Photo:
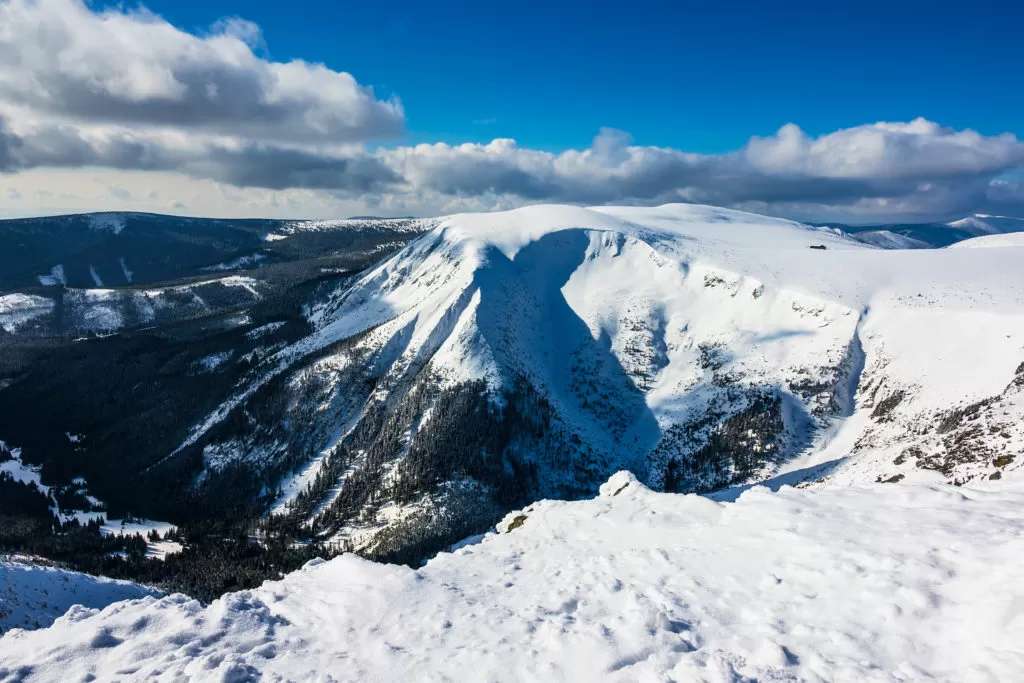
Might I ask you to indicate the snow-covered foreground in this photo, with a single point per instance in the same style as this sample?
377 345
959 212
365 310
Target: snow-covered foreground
877 583
32 596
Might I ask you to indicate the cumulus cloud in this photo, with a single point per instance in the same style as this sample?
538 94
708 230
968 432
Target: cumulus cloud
941 167
240 163
132 67
920 150
123 90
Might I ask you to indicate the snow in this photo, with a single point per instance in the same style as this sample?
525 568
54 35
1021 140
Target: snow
874 583
987 224
886 239
107 222
157 550
395 224
56 277
17 310
19 471
264 330
610 310
33 595
1013 239
613 314
115 527
237 263
246 283
101 311
32 474
124 269
105 311
161 549
214 361
956 354
95 277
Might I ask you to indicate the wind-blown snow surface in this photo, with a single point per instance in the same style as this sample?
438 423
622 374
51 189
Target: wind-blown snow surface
1012 239
886 239
878 583
33 596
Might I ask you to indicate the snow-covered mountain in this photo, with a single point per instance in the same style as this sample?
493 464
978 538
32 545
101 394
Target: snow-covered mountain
1012 239
874 583
505 357
500 359
888 239
985 224
98 250
932 235
77 312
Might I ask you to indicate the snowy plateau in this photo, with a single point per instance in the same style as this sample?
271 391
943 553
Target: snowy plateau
852 418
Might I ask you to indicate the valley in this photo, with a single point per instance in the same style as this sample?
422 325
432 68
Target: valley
393 406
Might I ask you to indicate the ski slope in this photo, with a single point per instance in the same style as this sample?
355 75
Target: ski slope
877 583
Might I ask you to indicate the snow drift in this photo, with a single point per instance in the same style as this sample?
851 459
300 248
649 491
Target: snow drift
877 583
503 358
34 595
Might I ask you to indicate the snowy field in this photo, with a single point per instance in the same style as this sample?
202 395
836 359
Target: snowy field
876 583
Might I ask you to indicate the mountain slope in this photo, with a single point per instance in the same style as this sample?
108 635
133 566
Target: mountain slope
505 357
879 583
96 384
932 235
100 250
33 595
985 224
887 239
1013 239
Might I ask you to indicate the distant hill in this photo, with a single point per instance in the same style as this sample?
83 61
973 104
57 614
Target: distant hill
930 235
116 249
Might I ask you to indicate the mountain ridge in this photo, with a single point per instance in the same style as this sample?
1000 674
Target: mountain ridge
496 359
514 301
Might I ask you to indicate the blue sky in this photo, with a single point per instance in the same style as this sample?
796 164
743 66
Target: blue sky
702 76
865 112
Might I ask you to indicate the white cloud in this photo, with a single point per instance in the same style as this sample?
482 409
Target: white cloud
124 94
64 60
886 168
885 151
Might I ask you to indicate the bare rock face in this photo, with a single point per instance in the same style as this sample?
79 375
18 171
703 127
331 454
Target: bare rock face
974 439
